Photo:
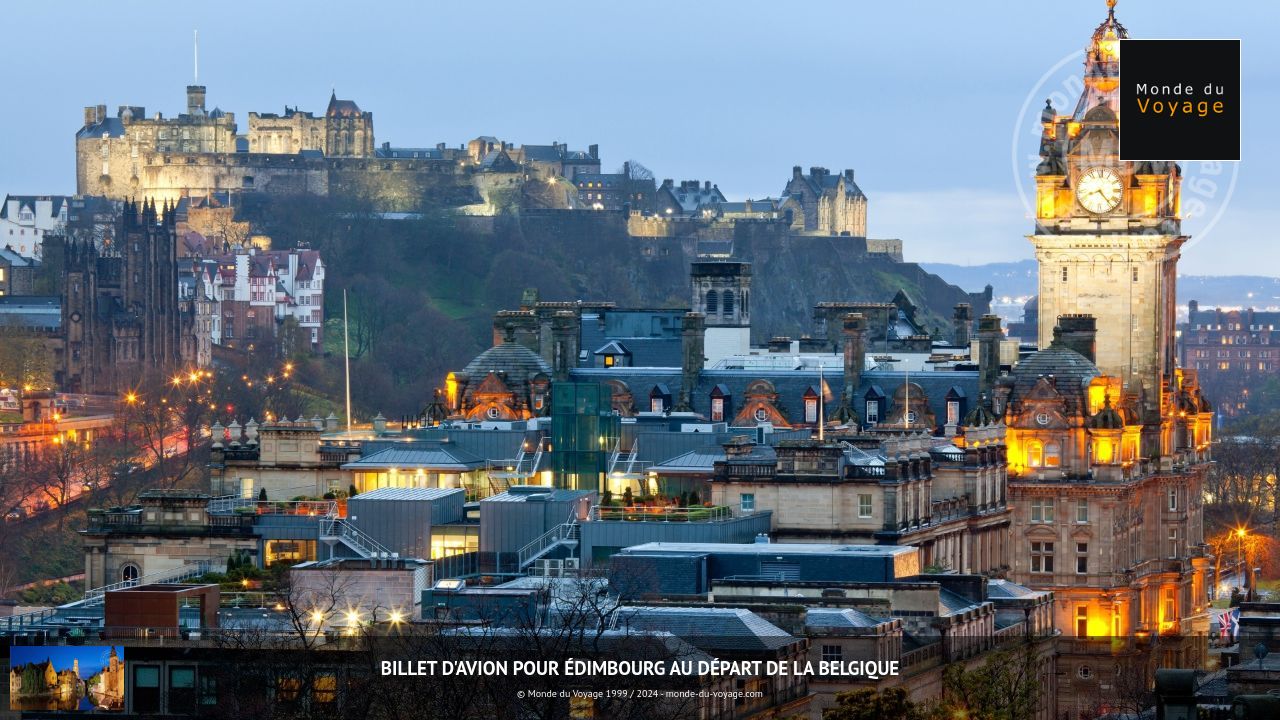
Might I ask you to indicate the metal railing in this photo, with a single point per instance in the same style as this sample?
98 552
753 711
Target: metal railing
563 532
332 526
95 596
662 513
186 572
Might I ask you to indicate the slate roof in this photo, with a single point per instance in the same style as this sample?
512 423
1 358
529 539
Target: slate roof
514 363
839 618
789 384
1071 372
112 126
953 603
341 108
709 629
541 153
29 201
1214 316
395 152
1003 589
13 259
426 455
31 311
702 460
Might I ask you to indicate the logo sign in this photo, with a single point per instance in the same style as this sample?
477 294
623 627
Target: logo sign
1179 100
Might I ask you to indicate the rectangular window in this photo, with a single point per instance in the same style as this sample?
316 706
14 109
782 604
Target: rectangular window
1173 498
953 412
655 404
1170 605
832 653
1082 558
864 505
1174 549
811 410
1041 557
146 688
1042 511
873 412
1064 274
1082 621
1135 274
717 409
748 502
182 689
1082 511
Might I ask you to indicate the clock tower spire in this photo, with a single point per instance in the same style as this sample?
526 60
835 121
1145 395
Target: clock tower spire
1108 233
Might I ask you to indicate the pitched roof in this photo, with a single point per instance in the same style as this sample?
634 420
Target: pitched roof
839 617
341 108
425 455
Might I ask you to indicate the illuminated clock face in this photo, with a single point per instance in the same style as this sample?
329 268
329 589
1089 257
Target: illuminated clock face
1099 190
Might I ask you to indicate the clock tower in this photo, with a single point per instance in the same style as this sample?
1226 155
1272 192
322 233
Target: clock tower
1107 232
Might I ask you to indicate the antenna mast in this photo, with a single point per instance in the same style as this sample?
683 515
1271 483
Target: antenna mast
346 356
196 55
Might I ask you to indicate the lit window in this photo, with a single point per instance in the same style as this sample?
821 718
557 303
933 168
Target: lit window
1082 621
1035 454
1052 455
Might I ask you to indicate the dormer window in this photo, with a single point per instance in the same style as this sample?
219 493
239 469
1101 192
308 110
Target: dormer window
873 412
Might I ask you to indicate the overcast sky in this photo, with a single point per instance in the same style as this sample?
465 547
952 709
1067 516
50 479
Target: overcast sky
920 98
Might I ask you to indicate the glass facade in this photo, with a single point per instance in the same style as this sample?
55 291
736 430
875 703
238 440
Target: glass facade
584 434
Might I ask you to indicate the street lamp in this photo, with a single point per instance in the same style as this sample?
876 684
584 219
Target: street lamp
1240 556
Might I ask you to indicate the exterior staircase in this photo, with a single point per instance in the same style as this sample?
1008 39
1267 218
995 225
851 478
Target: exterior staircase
334 530
565 535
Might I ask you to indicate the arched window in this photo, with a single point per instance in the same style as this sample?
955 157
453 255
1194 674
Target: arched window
129 572
728 302
712 301
1035 454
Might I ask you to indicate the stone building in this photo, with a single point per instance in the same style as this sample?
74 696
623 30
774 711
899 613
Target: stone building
1231 351
164 532
121 315
825 204
1108 440
112 152
25 220
17 273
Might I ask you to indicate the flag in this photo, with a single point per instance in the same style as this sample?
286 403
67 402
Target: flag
1228 623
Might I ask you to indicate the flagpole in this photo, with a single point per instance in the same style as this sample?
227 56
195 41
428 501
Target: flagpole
346 355
822 389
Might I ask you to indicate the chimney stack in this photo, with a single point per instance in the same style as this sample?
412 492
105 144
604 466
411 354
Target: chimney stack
1079 333
989 336
564 338
960 322
854 330
693 357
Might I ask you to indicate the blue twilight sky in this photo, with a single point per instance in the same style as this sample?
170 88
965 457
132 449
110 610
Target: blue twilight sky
92 657
920 98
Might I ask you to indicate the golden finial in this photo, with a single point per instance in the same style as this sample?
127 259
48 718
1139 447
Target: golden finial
1111 4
